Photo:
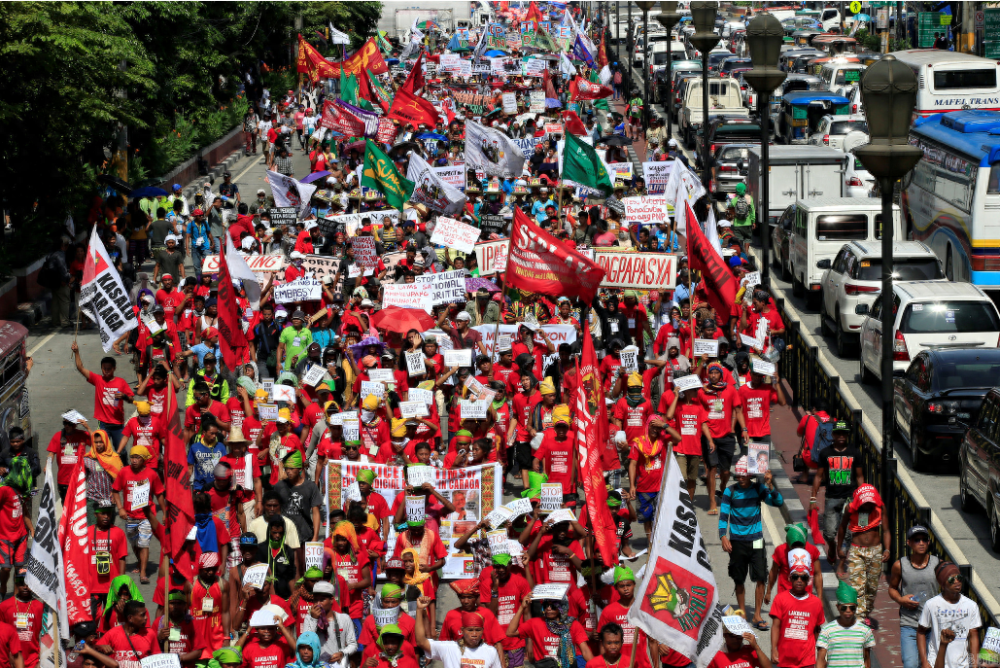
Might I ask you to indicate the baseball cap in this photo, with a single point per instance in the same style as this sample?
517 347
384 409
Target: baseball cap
463 315
841 425
917 530
323 587
298 315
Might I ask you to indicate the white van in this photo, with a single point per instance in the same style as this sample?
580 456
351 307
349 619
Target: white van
821 227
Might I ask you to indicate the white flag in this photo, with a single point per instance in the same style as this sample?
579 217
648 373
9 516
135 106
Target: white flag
682 186
492 151
44 565
712 231
605 75
103 298
289 192
431 190
566 66
677 601
337 37
238 268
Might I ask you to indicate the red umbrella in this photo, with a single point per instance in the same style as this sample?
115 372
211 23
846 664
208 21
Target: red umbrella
401 320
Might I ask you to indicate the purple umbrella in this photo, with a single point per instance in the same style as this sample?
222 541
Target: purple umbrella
473 284
315 176
359 348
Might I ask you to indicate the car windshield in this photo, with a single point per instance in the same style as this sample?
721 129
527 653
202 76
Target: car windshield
911 269
950 316
716 58
843 127
965 373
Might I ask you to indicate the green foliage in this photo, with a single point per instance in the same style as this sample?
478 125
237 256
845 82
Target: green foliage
868 41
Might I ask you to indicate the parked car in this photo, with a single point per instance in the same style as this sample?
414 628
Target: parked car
938 397
731 162
852 93
781 236
831 130
857 179
855 277
929 314
979 464
659 83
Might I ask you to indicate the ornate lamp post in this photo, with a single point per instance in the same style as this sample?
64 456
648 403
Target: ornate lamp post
704 39
645 6
764 37
889 94
668 18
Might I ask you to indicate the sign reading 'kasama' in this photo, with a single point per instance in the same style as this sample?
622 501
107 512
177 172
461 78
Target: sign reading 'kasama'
645 271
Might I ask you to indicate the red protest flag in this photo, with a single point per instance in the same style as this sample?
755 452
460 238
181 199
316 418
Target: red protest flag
311 62
573 124
76 547
413 110
538 262
533 14
581 89
718 280
550 89
232 339
415 81
179 514
367 57
592 438
602 52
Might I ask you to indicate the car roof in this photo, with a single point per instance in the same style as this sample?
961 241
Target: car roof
849 203
961 354
899 249
934 290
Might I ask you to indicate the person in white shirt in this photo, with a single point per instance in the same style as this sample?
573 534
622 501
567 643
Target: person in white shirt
262 127
337 638
952 611
470 649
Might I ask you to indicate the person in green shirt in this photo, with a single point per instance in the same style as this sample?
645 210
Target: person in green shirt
635 106
294 341
745 213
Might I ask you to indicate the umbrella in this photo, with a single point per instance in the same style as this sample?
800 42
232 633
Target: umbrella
148 191
863 17
401 320
495 53
473 284
614 140
314 177
400 150
430 135
392 61
359 349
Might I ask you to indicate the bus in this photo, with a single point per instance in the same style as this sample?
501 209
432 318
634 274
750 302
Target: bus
951 81
952 200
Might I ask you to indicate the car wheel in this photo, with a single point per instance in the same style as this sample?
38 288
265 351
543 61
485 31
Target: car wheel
917 458
775 258
824 327
991 515
867 377
845 343
966 500
786 275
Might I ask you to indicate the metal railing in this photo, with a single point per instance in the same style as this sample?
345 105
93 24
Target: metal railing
814 383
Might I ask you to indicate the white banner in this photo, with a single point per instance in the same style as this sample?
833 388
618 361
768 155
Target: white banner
299 290
537 101
46 576
455 234
103 297
558 334
453 175
431 190
289 192
257 263
645 271
407 295
463 487
492 151
656 175
447 287
451 62
683 186
527 145
645 209
492 256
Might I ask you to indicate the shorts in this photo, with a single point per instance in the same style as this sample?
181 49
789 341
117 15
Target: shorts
12 553
833 514
523 455
710 457
138 532
725 452
515 657
647 505
745 558
689 467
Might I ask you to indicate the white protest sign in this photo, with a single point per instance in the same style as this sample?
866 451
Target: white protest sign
630 358
991 642
551 497
621 171
283 393
737 625
416 507
551 590
458 358
446 287
708 347
497 541
499 516
751 279
383 617
314 554
751 341
372 387
415 394
684 383
381 375
255 575
758 458
656 175
492 256
474 410
561 515
299 290
140 496
518 507
364 251
763 368
74 416
455 234
509 103
453 175
161 661
645 209
407 295
268 412
354 492
415 363
416 476
314 375
412 409
537 102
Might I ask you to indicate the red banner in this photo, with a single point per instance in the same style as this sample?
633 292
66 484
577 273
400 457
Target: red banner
339 119
415 82
538 262
717 279
574 125
76 547
367 57
232 340
581 89
179 513
413 109
311 62
592 438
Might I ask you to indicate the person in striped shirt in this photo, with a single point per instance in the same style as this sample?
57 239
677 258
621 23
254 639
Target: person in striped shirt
742 534
845 642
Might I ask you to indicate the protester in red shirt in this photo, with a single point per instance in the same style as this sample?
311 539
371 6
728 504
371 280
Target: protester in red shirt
176 631
758 397
797 617
14 526
169 297
794 552
24 612
692 421
615 653
68 445
557 453
632 410
545 643
271 646
107 546
468 598
503 596
647 461
723 403
11 655
110 393
524 405
132 480
555 556
737 655
132 640
617 611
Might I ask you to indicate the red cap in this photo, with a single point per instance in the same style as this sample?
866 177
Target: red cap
197 212
209 332
471 619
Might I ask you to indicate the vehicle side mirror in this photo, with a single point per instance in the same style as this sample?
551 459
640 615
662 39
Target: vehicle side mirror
861 309
824 264
898 373
741 165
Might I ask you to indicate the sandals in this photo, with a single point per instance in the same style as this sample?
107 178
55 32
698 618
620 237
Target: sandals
759 625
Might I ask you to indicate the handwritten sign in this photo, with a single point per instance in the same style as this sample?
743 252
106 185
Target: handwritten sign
255 575
283 393
412 409
708 347
415 365
458 358
446 287
630 359
299 290
74 416
518 507
763 368
268 412
407 295
684 383
561 515
737 625
455 234
474 410
140 496
551 497
509 101
550 590
492 256
314 554
416 476
354 492
364 251
313 375
498 517
426 397
381 375
751 279
372 387
416 507
161 661
645 209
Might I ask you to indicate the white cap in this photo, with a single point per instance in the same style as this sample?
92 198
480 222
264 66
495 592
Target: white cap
296 255
672 142
311 224
247 243
366 303
263 618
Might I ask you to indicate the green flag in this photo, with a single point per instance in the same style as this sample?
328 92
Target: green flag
348 87
581 164
380 91
381 174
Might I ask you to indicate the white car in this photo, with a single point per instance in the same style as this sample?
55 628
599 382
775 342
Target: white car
929 314
858 181
855 277
853 93
832 130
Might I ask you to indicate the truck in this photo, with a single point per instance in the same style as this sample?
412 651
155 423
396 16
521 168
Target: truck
397 20
725 98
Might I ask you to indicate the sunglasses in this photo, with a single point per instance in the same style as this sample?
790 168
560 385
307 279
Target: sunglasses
921 539
351 447
952 579
848 608
798 576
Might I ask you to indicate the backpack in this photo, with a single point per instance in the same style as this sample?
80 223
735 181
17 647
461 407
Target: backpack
742 208
822 439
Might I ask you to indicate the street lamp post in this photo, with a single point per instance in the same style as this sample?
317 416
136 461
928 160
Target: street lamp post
764 37
889 94
645 6
704 39
668 18
629 48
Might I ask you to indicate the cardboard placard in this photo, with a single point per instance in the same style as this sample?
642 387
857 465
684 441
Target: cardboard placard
758 458
751 279
691 382
313 375
416 507
381 376
299 290
518 507
413 409
499 516
415 394
74 416
372 387
455 234
314 554
474 410
551 590
630 359
459 358
645 209
764 368
561 515
255 575
708 347
446 287
416 476
407 295
551 498
321 266
284 393
415 365
268 412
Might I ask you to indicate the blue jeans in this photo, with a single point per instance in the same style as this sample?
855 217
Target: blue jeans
197 259
115 434
908 646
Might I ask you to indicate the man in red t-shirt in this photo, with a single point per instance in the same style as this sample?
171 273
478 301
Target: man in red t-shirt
11 655
647 462
110 394
143 430
68 445
758 397
139 485
503 596
24 613
108 545
797 616
14 527
737 655
557 453
632 411
555 556
129 642
692 421
615 653
272 646
725 408
203 404
169 297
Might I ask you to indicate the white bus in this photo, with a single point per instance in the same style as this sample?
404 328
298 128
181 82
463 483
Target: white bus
951 81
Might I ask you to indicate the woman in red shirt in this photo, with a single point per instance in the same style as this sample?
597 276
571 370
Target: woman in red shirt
557 454
552 635
738 655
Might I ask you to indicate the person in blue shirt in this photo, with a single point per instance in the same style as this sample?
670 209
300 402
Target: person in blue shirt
199 239
538 208
204 454
209 344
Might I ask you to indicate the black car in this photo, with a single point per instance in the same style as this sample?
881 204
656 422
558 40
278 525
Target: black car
724 130
939 396
979 465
